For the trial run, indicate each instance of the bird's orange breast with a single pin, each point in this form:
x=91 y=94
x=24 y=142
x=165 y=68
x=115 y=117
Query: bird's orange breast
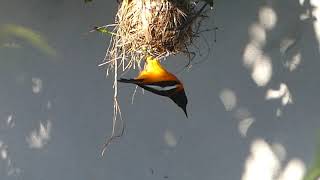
x=154 y=72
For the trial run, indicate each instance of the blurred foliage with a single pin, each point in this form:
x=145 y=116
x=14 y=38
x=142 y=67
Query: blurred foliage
x=86 y=1
x=35 y=39
x=313 y=173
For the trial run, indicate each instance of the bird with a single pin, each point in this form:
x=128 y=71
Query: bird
x=158 y=80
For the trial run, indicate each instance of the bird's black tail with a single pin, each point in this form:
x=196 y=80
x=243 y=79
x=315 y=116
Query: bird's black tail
x=133 y=81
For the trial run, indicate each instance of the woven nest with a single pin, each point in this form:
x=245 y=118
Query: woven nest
x=156 y=28
x=152 y=27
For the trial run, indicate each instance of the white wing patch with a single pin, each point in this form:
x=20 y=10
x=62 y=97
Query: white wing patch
x=159 y=88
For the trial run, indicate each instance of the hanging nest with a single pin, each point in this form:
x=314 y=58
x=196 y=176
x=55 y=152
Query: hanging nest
x=152 y=27
x=157 y=28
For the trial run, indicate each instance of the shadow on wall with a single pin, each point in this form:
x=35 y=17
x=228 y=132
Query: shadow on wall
x=284 y=65
x=13 y=39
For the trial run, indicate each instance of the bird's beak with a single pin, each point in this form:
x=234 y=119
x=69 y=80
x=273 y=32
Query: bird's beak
x=185 y=111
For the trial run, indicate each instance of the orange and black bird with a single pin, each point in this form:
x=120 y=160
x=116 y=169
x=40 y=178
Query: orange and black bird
x=157 y=79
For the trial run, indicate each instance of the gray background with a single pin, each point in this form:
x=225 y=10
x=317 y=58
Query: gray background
x=56 y=132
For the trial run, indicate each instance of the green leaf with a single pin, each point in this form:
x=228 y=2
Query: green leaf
x=103 y=30
x=28 y=35
x=313 y=173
